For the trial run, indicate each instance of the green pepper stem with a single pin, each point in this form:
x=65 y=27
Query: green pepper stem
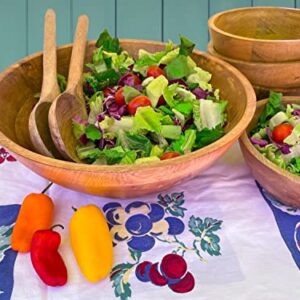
x=57 y=225
x=47 y=187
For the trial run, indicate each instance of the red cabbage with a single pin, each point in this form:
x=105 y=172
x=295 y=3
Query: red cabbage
x=296 y=112
x=176 y=121
x=123 y=110
x=285 y=149
x=259 y=142
x=187 y=124
x=101 y=117
x=200 y=93
x=83 y=139
x=179 y=81
x=127 y=79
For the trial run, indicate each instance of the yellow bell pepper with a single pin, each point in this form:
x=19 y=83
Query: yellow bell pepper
x=91 y=242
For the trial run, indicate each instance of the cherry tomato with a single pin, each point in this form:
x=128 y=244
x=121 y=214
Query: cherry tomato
x=155 y=71
x=119 y=97
x=280 y=132
x=161 y=101
x=169 y=155
x=137 y=102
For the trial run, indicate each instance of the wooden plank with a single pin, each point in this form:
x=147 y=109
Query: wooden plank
x=285 y=3
x=100 y=12
x=221 y=5
x=36 y=12
x=189 y=20
x=13 y=31
x=139 y=19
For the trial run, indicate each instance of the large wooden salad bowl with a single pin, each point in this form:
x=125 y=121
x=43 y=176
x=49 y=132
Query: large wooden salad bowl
x=280 y=183
x=20 y=82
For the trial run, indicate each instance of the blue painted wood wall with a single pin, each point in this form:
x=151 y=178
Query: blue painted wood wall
x=21 y=21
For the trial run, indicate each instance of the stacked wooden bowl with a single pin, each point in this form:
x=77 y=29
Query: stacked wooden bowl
x=263 y=43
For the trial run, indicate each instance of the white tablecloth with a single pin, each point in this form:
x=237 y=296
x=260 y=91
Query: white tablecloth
x=236 y=243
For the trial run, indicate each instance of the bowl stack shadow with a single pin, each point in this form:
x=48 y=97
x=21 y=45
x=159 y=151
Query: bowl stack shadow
x=263 y=43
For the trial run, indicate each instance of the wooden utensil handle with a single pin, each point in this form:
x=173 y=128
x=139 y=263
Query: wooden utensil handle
x=50 y=85
x=78 y=52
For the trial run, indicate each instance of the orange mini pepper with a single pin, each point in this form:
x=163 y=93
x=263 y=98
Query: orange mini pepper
x=36 y=213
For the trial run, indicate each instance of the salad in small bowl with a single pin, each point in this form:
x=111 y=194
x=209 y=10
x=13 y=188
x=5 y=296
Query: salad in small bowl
x=271 y=147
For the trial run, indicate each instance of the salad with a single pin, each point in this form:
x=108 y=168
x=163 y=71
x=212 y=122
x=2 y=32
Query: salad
x=277 y=134
x=156 y=107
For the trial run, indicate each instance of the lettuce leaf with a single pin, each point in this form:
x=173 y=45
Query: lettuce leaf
x=107 y=78
x=108 y=43
x=185 y=143
x=186 y=46
x=137 y=142
x=273 y=106
x=129 y=93
x=92 y=132
x=207 y=136
x=96 y=107
x=212 y=113
x=146 y=118
x=178 y=68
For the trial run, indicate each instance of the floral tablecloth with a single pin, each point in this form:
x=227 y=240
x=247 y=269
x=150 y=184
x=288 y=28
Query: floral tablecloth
x=220 y=236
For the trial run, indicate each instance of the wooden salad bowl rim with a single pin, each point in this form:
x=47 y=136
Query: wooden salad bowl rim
x=212 y=24
x=253 y=64
x=244 y=139
x=230 y=136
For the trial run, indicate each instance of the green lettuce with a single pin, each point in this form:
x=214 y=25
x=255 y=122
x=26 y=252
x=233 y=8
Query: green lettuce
x=207 y=136
x=129 y=93
x=137 y=142
x=96 y=107
x=178 y=68
x=273 y=106
x=185 y=143
x=108 y=43
x=146 y=118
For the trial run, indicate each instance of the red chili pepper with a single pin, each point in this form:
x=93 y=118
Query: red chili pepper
x=45 y=258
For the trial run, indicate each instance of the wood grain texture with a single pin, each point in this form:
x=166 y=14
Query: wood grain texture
x=12 y=31
x=278 y=182
x=139 y=19
x=36 y=12
x=263 y=92
x=285 y=75
x=70 y=103
x=189 y=20
x=101 y=14
x=132 y=180
x=38 y=119
x=266 y=34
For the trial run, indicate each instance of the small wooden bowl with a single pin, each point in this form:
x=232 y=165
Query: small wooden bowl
x=21 y=81
x=282 y=184
x=283 y=75
x=263 y=92
x=258 y=34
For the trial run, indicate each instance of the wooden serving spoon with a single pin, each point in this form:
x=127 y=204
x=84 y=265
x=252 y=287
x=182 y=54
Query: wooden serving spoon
x=70 y=103
x=38 y=120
